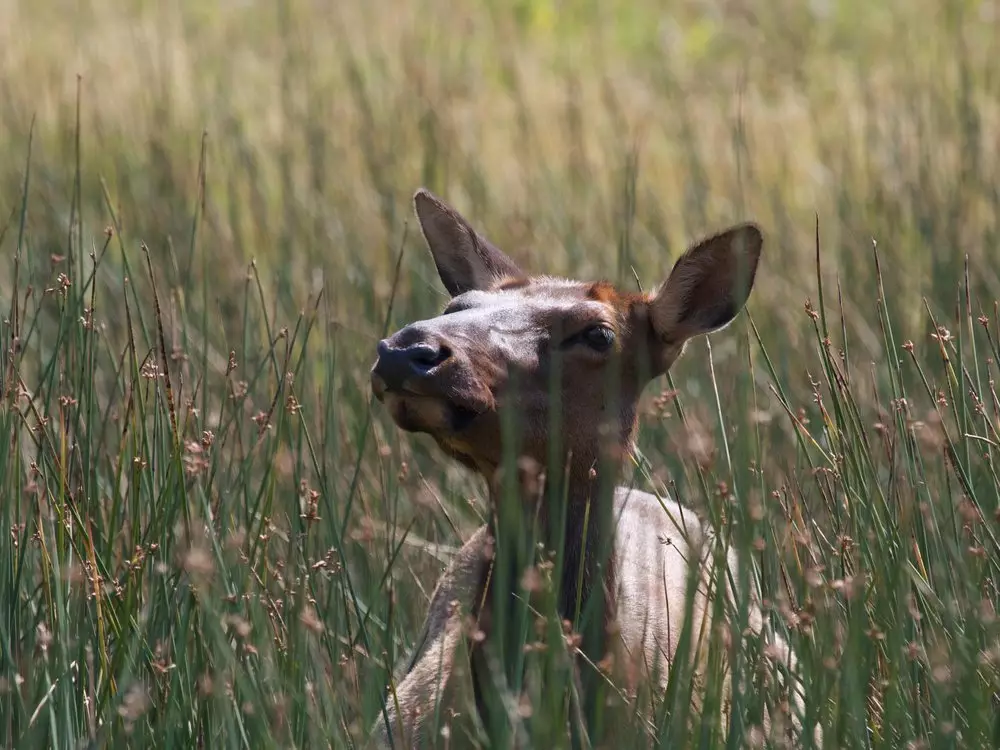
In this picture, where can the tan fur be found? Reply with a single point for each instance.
(503, 322)
(436, 672)
(655, 539)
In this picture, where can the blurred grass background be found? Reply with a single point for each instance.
(264, 155)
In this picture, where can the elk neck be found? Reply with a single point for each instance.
(572, 513)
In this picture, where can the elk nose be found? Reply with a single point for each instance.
(395, 366)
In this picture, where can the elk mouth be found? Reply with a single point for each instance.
(462, 417)
(425, 407)
(416, 413)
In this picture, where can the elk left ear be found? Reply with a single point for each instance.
(465, 259)
(708, 285)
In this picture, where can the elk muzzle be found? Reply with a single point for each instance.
(428, 384)
(406, 368)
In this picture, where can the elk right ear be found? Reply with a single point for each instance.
(708, 285)
(465, 260)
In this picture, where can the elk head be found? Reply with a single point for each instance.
(508, 340)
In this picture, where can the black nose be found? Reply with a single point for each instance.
(397, 365)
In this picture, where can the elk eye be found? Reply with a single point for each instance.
(599, 338)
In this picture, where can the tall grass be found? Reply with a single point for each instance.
(211, 538)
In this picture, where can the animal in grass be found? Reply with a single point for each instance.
(495, 347)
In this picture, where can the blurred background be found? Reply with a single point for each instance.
(266, 154)
(582, 136)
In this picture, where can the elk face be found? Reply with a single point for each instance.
(565, 359)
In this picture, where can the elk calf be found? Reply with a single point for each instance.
(509, 341)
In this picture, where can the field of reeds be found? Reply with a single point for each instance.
(211, 536)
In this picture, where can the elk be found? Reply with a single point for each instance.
(507, 340)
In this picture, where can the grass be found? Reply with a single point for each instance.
(212, 539)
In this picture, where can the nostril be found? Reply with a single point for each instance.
(399, 367)
(428, 357)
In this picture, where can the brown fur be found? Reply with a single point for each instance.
(495, 348)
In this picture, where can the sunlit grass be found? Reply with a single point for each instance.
(209, 533)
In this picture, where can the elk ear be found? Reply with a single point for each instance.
(465, 260)
(708, 286)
